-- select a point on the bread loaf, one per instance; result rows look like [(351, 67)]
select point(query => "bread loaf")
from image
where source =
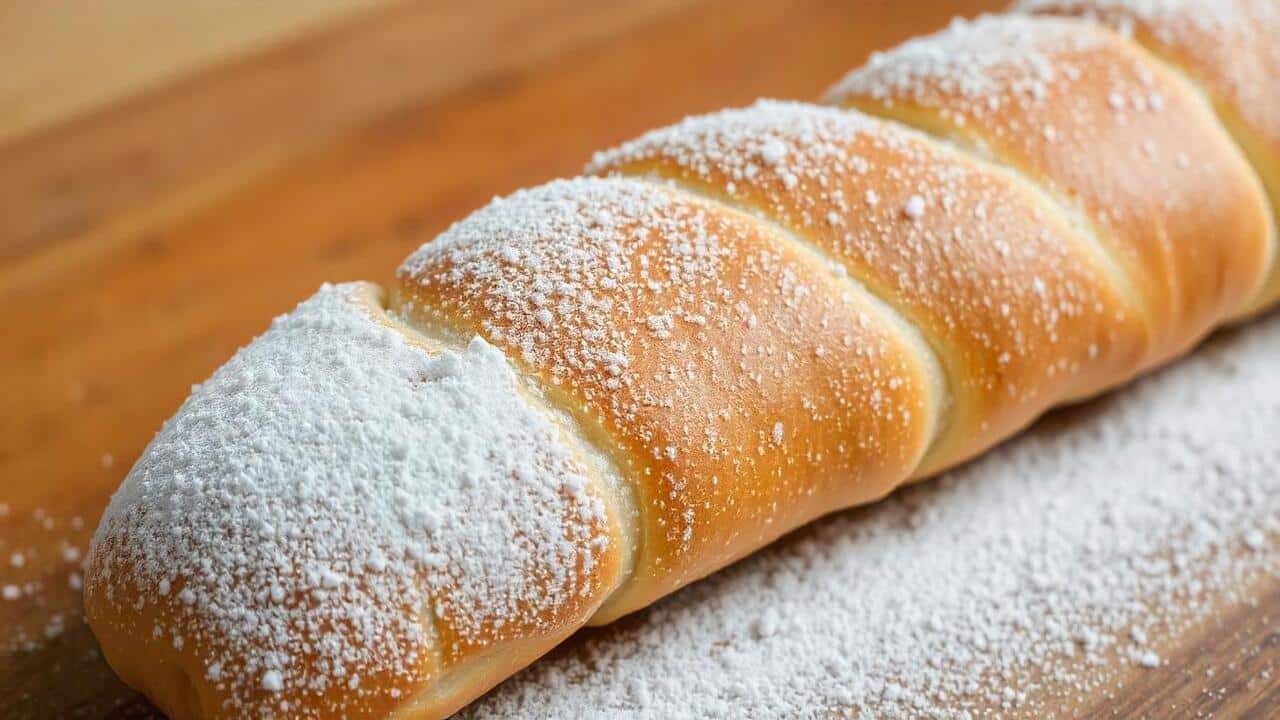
[(591, 393)]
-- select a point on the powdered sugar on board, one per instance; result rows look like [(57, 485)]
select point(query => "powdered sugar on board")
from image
[(312, 506), (1032, 573)]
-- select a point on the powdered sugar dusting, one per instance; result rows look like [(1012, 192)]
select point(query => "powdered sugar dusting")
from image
[(1128, 149), (1167, 16), (1229, 47), (821, 148), (1007, 295), (686, 330), (332, 493), (979, 60), (309, 518), (572, 274), (1232, 42), (1030, 575)]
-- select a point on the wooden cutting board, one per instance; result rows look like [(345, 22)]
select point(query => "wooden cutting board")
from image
[(172, 177)]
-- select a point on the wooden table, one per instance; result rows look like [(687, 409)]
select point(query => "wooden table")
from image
[(171, 178)]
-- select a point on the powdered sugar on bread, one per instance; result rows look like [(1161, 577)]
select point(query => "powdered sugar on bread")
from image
[(329, 494)]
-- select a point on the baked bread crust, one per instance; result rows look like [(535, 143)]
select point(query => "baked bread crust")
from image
[(1124, 143), (589, 394), (1228, 49)]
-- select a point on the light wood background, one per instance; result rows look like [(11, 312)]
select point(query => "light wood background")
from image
[(172, 175)]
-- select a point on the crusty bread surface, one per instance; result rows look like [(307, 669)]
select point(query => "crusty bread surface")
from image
[(589, 394)]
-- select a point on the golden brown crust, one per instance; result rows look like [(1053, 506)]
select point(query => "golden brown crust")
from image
[(139, 645), (1019, 310), (136, 632), (784, 311), (1109, 132), (747, 392), (1229, 48)]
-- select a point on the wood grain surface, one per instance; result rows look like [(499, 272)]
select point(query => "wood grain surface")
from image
[(68, 57), (160, 206)]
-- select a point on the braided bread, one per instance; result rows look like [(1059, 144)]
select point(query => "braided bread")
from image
[(591, 393)]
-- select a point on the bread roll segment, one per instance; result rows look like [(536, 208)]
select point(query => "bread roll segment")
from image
[(1020, 310), (1122, 141), (589, 394), (348, 516), (742, 389), (1229, 48)]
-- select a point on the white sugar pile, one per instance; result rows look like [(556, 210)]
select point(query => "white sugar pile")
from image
[(1081, 541)]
